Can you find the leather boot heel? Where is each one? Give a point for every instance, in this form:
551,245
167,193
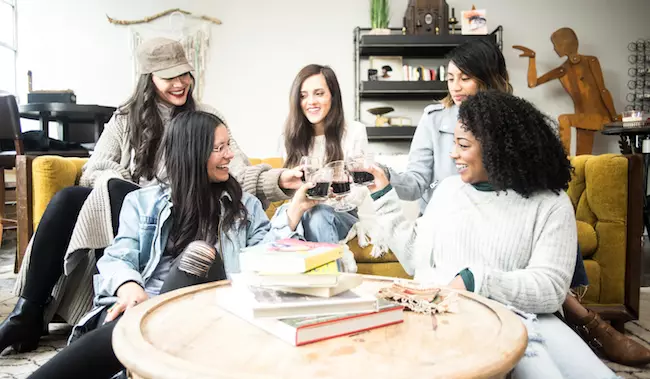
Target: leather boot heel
615,346
23,327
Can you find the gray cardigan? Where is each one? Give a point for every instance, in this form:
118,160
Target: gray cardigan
429,161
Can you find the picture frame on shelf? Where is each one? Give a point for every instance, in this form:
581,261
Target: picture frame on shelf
474,22
388,68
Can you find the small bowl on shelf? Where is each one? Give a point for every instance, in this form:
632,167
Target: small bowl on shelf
634,119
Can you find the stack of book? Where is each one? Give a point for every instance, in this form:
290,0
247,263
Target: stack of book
294,290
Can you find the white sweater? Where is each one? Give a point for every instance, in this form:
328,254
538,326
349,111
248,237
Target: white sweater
521,251
355,141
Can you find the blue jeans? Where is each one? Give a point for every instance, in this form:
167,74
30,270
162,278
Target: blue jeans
555,351
579,273
323,224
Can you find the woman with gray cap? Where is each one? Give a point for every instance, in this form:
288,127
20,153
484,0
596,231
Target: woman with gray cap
81,220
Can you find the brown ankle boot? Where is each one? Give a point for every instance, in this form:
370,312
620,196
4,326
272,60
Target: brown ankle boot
612,344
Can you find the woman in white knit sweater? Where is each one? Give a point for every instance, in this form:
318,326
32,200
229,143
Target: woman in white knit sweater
84,217
316,127
504,228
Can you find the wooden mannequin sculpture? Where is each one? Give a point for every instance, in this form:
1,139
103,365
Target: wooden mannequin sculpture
582,78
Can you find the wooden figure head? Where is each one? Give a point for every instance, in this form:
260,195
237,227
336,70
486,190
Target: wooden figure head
565,42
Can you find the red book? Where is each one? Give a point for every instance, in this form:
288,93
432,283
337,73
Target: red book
304,330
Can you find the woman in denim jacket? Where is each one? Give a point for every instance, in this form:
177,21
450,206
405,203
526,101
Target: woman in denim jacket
185,231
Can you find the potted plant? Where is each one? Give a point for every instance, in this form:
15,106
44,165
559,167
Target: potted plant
379,16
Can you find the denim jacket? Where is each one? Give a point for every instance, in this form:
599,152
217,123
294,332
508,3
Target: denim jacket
142,237
144,229
428,160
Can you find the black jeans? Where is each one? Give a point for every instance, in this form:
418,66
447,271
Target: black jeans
53,236
92,356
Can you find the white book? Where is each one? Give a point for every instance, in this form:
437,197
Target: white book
264,302
303,330
295,280
345,282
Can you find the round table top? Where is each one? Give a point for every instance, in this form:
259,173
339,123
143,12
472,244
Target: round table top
184,334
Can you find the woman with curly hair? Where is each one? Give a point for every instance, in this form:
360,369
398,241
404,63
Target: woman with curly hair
504,228
478,66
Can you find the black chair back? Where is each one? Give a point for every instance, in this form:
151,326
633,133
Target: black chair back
10,121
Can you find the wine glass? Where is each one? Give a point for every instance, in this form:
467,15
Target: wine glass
358,166
322,179
340,186
309,165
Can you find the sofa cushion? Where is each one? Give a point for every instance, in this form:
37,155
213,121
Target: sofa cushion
599,194
362,254
392,269
50,174
587,239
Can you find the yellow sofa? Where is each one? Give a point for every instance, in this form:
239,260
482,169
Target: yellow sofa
606,191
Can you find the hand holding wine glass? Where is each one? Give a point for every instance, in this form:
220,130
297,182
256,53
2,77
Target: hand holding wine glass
341,182
308,166
358,166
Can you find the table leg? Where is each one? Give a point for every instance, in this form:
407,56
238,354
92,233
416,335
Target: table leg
65,129
45,123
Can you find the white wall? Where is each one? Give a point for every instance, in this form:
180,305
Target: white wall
260,46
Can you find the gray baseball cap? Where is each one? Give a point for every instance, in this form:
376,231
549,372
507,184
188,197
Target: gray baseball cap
162,57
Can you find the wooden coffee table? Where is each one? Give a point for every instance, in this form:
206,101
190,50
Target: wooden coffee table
184,334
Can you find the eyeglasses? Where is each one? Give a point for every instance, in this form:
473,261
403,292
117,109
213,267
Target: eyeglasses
222,149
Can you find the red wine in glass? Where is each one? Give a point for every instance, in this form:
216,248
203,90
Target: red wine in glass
362,177
340,188
319,191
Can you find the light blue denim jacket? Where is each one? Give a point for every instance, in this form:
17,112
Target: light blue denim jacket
144,230
142,237
429,161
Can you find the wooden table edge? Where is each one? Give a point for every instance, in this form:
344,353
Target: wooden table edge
129,349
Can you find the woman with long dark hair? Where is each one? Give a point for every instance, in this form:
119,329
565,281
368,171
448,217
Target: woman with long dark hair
316,127
85,217
474,66
201,218
503,228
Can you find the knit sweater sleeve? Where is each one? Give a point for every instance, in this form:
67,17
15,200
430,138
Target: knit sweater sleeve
356,144
540,287
399,233
104,162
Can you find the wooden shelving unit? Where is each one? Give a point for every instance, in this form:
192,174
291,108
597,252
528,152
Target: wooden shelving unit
406,46
390,133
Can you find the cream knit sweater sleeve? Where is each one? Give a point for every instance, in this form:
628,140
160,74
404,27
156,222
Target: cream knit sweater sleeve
541,286
105,160
521,251
399,231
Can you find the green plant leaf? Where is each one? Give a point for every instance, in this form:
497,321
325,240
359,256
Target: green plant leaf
379,13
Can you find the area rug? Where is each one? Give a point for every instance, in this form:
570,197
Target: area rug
18,366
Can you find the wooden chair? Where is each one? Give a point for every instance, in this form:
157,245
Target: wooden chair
10,130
